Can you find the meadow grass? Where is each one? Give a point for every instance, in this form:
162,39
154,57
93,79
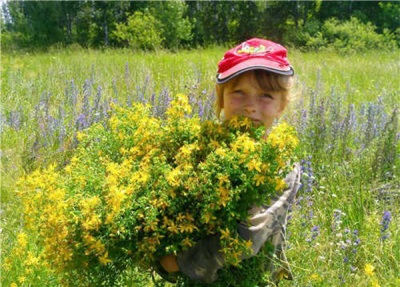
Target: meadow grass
345,220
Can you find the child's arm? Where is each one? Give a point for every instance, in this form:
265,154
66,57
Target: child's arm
202,262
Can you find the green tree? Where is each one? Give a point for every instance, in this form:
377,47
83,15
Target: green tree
181,23
105,16
67,18
36,23
175,26
142,31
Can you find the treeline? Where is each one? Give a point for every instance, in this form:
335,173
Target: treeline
148,25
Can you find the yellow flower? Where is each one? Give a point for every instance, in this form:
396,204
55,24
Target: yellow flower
13,285
375,283
225,234
208,217
88,204
139,165
173,177
254,164
187,242
280,184
189,228
246,122
31,260
104,260
259,179
179,107
215,145
369,269
248,144
189,217
248,244
223,178
92,223
68,169
187,149
221,152
234,122
180,217
22,240
283,136
223,195
80,136
172,227
315,277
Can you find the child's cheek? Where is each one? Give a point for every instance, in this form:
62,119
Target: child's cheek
235,101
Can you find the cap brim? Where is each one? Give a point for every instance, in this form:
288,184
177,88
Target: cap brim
254,64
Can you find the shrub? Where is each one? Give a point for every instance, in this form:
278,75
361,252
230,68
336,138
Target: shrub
346,37
351,35
142,31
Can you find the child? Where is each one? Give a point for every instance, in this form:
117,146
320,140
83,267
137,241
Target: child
254,80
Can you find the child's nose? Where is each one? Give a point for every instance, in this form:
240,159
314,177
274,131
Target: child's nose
250,109
251,105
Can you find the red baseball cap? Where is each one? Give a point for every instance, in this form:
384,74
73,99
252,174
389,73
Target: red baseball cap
254,54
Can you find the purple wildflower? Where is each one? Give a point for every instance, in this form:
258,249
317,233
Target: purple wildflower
387,217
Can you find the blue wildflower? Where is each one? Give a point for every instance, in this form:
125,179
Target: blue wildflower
387,217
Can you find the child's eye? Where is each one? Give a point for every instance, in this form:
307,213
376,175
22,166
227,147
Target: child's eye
237,93
267,96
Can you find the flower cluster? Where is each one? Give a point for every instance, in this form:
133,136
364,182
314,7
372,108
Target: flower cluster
139,187
386,218
347,241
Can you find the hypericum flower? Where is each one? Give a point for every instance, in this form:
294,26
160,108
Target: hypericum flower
315,277
187,242
235,122
22,240
172,227
375,283
369,269
153,186
254,165
223,178
259,179
104,260
187,228
225,234
208,217
280,184
224,195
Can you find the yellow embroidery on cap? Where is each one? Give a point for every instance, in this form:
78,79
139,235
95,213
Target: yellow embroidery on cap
247,49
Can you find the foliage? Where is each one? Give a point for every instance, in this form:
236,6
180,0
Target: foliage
353,36
142,31
184,23
125,199
346,37
176,27
339,233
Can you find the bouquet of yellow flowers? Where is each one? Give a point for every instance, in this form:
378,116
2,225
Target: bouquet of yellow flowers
139,187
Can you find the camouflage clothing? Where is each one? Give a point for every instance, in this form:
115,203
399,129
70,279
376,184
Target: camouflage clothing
202,262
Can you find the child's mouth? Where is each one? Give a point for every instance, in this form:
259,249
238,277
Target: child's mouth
256,122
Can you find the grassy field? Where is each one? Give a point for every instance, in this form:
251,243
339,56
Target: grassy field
344,226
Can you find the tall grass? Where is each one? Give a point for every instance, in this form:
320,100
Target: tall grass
347,113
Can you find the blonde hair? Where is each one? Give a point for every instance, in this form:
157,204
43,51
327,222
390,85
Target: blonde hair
267,81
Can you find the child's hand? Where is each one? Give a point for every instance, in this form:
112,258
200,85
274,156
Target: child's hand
169,263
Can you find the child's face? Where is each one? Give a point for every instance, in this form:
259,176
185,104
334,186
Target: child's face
246,98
